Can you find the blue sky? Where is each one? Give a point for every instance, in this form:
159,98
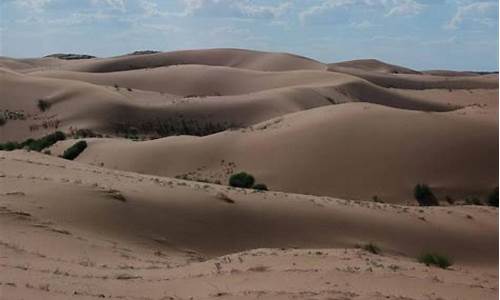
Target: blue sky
422,34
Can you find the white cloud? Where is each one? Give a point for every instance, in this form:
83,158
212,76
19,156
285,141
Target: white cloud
405,8
235,8
475,11
36,5
114,4
393,7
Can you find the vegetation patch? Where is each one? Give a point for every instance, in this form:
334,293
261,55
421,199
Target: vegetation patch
493,198
43,105
241,180
473,201
434,259
35,144
424,195
372,248
75,150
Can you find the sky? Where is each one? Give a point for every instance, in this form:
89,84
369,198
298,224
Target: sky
421,34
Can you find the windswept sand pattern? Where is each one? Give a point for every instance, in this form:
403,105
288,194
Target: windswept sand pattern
145,211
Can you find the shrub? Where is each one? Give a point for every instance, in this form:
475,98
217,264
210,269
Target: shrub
435,259
260,187
3,121
43,142
424,195
493,198
241,180
372,248
473,201
377,199
43,105
9,146
75,150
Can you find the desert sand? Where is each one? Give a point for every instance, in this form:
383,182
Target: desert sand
145,211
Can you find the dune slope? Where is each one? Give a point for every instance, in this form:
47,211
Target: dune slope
348,150
128,235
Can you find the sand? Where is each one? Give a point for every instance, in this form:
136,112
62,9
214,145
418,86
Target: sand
145,211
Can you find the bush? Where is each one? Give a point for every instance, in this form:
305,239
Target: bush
241,180
372,248
75,150
44,142
493,198
3,121
473,201
43,105
435,260
260,187
424,195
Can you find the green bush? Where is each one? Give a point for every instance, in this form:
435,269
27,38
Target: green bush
473,201
43,105
241,180
260,187
35,144
75,150
493,198
424,195
372,248
435,259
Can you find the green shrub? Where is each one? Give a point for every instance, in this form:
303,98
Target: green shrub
75,150
424,195
473,201
260,187
43,105
372,248
43,142
241,180
9,146
493,198
435,259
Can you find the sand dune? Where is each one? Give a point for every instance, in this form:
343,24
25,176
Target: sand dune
352,151
146,98
148,244
373,65
236,58
145,211
422,82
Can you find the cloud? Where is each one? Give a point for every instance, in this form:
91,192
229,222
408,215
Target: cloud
393,7
235,8
405,8
479,12
36,5
113,4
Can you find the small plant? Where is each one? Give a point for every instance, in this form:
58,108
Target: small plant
241,180
260,187
3,121
450,200
372,248
435,259
75,150
43,105
493,198
473,201
377,199
424,195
